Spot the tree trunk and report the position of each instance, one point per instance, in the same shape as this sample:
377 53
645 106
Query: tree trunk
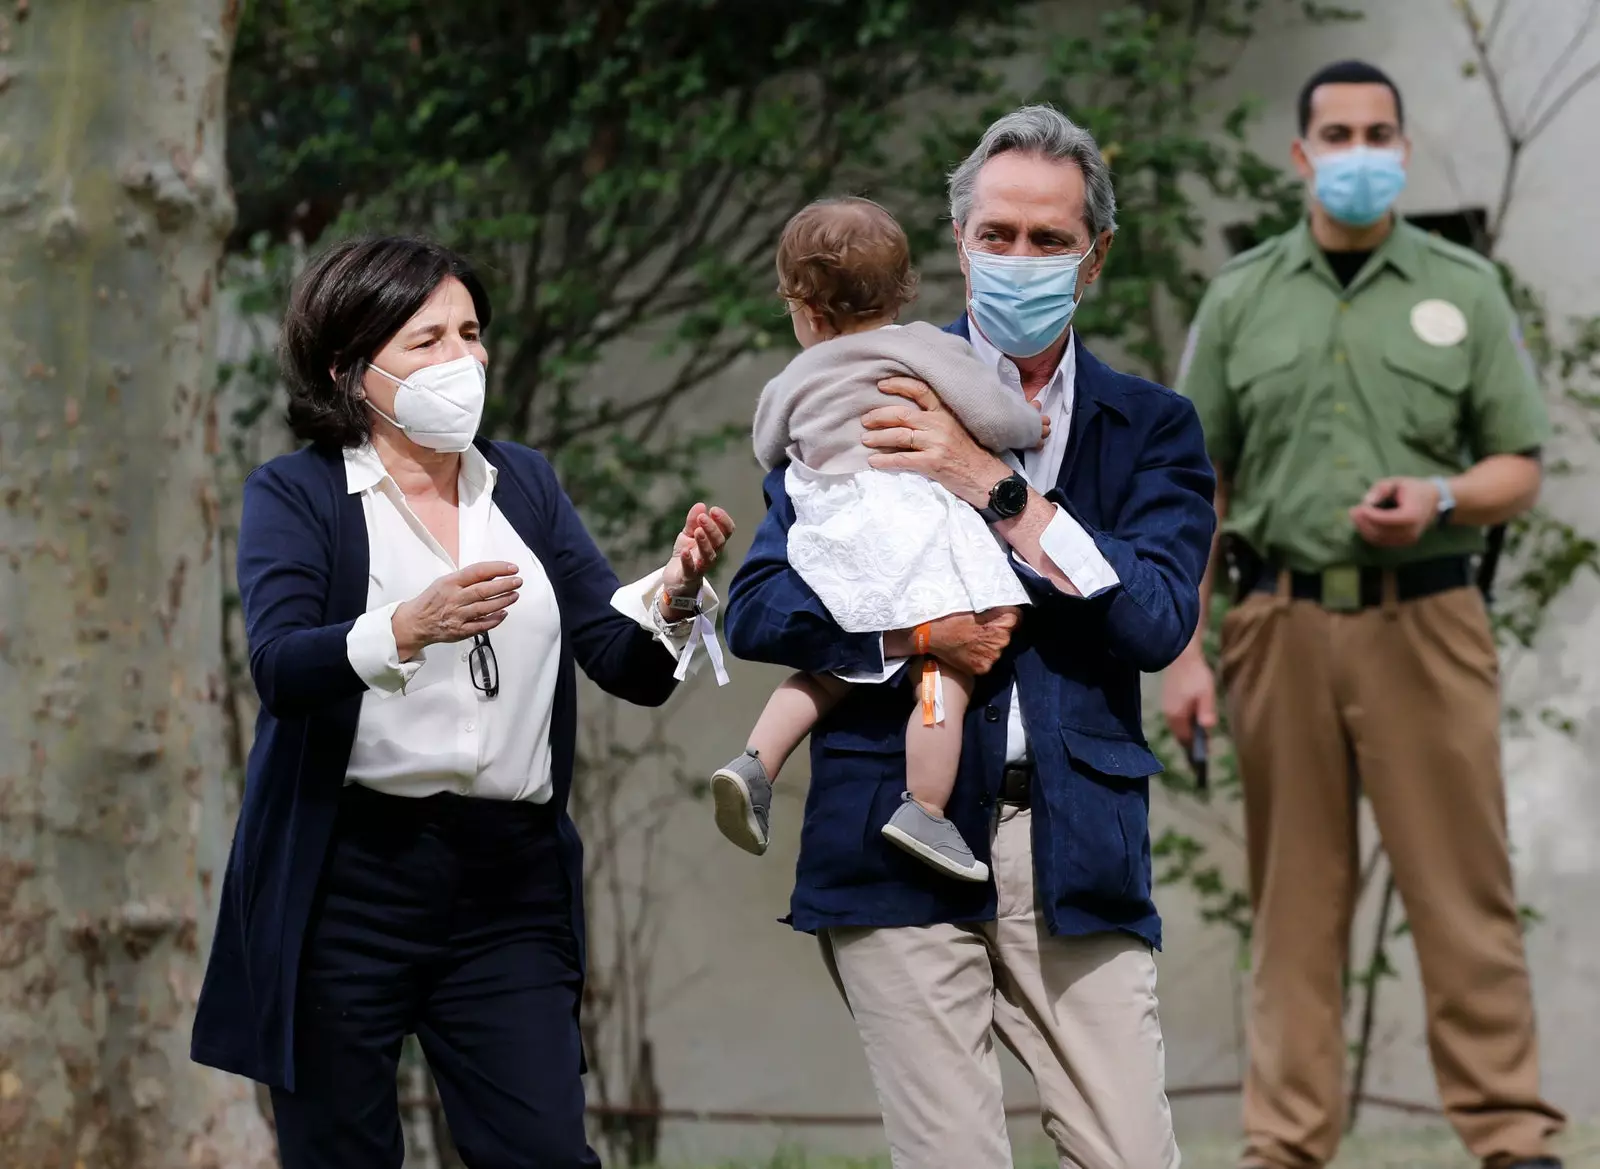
113 209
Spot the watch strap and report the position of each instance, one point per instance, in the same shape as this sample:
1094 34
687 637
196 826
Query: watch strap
1447 499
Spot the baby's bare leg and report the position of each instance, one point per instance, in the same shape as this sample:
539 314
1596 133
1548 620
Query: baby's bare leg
934 753
795 707
741 792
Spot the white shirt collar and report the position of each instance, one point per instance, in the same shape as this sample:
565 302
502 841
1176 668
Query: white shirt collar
1060 381
363 470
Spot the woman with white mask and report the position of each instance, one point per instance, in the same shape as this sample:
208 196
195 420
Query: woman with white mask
416 600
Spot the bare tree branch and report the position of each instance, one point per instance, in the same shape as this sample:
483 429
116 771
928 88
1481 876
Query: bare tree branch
1494 19
1559 102
600 854
1537 120
1514 141
1568 51
1491 76
621 992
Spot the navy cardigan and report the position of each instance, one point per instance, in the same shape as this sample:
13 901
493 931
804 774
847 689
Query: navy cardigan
302 570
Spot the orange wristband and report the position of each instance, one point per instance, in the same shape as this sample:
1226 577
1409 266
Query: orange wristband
922 637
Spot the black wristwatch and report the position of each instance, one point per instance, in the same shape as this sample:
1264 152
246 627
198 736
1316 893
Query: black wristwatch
1007 498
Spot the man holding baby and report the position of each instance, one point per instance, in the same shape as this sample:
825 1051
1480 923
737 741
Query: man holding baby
1108 523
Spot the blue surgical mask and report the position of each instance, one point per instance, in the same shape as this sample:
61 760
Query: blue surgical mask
1359 185
1023 303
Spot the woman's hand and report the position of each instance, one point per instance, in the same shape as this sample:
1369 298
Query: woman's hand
926 438
470 600
694 552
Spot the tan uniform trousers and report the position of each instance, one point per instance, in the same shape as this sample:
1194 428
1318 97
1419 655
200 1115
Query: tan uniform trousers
1080 1013
1405 696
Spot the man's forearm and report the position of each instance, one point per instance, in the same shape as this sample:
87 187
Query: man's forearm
1499 488
1491 492
1024 534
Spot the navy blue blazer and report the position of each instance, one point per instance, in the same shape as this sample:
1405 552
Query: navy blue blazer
1137 478
302 568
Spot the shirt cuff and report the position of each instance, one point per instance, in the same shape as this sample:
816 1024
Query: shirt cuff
636 602
891 667
1074 552
373 654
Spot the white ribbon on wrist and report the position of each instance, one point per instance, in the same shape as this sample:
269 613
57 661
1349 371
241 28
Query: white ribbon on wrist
702 632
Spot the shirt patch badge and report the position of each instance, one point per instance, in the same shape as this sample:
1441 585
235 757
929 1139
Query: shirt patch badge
1438 322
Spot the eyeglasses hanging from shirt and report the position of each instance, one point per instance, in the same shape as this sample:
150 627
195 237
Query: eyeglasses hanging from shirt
483 666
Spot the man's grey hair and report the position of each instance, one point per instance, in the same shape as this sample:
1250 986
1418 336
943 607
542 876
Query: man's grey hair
1045 131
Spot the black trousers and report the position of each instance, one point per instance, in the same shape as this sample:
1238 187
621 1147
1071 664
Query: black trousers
450 918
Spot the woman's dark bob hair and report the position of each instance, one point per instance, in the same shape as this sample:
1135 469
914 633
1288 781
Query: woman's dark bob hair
344 308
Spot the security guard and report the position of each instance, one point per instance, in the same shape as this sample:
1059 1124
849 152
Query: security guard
1370 410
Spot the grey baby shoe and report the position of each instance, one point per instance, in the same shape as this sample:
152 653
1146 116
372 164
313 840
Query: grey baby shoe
933 840
742 796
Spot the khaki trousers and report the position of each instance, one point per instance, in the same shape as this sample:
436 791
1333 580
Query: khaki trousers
1080 1013
1406 697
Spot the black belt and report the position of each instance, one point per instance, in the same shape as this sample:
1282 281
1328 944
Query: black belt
1016 784
1347 588
469 817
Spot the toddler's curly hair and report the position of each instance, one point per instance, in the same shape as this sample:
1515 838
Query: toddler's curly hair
846 260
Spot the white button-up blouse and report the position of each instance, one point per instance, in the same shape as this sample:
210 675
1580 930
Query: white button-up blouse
424 727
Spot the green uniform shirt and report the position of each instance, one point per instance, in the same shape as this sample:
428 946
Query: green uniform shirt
1310 392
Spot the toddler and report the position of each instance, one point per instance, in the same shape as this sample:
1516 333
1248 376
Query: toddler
883 550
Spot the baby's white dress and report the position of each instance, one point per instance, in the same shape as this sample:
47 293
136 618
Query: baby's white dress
888 550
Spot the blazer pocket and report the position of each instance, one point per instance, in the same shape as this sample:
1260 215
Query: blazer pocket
849 741
1110 756
1105 851
840 844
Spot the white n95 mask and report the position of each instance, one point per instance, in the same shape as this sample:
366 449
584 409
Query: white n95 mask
439 406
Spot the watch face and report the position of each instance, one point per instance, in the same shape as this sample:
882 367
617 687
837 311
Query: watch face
1009 496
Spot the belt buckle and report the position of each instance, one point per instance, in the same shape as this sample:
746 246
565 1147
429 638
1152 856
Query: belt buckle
1341 588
